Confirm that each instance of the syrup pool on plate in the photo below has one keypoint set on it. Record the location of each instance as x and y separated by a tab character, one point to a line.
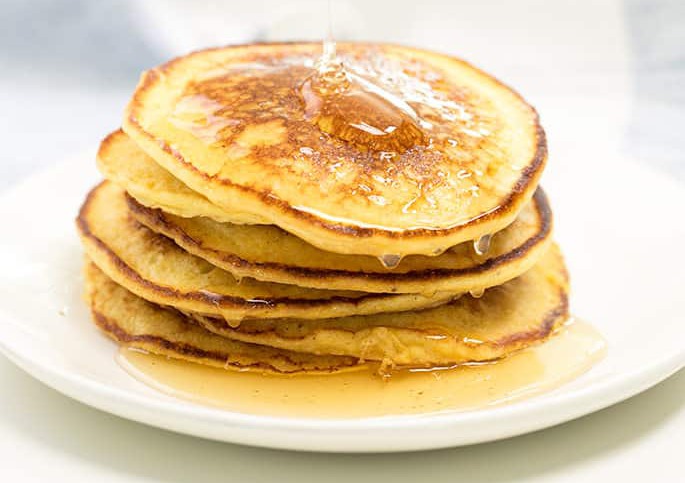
573	350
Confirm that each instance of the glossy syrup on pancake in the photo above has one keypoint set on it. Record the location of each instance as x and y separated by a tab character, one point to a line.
378	126
350	107
413	154
569	353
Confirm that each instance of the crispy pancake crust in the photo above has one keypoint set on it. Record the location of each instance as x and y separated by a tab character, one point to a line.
253	172
130	320
155	268
507	318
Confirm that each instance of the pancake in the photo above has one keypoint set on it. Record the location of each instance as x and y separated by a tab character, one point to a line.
248	250
507	318
120	160
231	125
130	320
155	268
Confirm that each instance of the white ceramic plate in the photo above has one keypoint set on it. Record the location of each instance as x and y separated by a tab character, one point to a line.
620	229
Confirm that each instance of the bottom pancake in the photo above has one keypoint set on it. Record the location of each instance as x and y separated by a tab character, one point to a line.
517	314
510	317
130	320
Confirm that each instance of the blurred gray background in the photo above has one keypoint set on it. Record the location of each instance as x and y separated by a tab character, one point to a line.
606	75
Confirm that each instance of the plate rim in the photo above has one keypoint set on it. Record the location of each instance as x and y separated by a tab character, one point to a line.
614	388
179	416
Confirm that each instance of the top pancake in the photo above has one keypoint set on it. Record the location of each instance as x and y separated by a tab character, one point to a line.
230	124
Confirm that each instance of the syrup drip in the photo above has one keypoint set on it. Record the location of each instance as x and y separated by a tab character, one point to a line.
390	261
477	293
482	245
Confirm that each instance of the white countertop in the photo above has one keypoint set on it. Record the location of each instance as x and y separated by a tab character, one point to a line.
66	81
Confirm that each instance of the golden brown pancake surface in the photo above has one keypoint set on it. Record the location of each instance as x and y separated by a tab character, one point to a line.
230	123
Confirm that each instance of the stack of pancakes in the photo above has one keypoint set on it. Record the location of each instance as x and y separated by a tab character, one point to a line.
232	231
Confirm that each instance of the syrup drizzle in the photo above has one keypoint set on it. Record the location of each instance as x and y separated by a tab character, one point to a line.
350	107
